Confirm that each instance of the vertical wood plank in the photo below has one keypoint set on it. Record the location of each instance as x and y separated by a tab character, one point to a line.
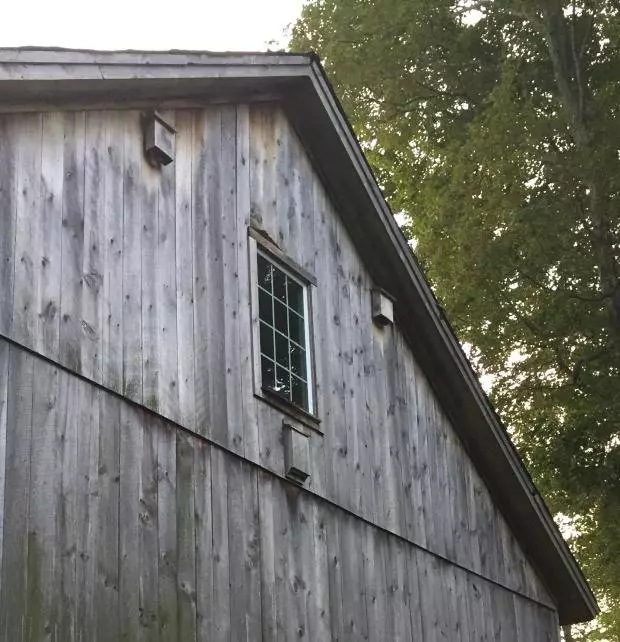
166	291
245	364
268	593
49	223
87	510
107	551
4	398
222	614
205	588
72	283
27	234
201	267
151	286
112	252
244	552
66	517
335	578
294	531
4	390
137	250
167	532
186	539
318	598
229	325
354	588
8	207
217	335
44	555
185	250
374	578
16	497
94	243
131	444
149	530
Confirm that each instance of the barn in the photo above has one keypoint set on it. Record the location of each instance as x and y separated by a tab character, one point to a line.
230	407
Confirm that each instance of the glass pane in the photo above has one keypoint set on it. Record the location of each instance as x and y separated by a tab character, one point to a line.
267	372
279	285
280	314
266	340
298	361
264	307
264	273
283	384
297	328
295	296
282	350
299	392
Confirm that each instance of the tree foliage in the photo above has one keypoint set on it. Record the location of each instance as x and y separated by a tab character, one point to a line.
493	126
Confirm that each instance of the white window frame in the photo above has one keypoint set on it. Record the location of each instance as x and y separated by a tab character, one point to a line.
258	244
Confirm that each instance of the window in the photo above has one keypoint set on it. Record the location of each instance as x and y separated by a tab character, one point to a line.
284	333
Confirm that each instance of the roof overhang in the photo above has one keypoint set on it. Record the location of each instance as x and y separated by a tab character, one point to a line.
33	79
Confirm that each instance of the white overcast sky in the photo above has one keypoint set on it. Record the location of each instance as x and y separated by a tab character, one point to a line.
216	25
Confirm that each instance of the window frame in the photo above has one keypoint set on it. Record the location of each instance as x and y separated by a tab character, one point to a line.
259	244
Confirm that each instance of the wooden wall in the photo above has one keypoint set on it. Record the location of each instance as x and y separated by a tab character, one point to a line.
121	526
138	279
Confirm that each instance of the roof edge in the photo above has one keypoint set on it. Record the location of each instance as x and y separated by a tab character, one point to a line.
445	330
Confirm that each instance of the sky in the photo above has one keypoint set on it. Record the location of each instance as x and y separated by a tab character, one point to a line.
216	25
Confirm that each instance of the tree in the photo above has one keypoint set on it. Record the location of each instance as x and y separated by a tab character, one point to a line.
492	125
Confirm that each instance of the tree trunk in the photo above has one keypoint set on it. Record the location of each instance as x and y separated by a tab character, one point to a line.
567	58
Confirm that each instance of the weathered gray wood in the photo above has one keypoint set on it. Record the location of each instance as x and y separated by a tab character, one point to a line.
16	497
222	613
27	234
230	280
335	579
4	390
131	447
184	237
294	530
269	601
72	242
200	233
137	294
167	530
244	293
50	217
205	588
215	340
87	510
186	539
112	252
354	588
66	517
44	553
244	553
107	624
149	531
318	594
150	281
166	291
169	326
8	206
93	266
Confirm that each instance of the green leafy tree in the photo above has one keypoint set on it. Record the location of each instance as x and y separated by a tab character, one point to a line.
493	127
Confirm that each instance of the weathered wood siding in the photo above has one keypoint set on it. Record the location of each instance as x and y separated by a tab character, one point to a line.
138	279
122	526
